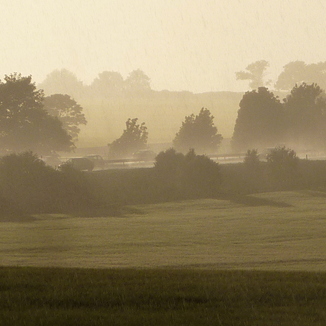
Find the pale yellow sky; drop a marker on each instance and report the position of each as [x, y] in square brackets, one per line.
[194, 45]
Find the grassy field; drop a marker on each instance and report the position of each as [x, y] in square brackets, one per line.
[49, 296]
[271, 231]
[243, 260]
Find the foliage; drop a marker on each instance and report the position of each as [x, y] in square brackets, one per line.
[283, 162]
[68, 111]
[198, 132]
[305, 112]
[62, 82]
[260, 121]
[107, 83]
[297, 72]
[254, 73]
[187, 175]
[133, 139]
[27, 183]
[24, 124]
[137, 81]
[251, 159]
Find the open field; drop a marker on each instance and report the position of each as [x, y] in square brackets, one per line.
[49, 296]
[271, 231]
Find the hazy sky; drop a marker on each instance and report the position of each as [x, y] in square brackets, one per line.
[194, 45]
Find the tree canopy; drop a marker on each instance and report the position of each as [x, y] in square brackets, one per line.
[24, 124]
[107, 83]
[137, 81]
[259, 121]
[305, 113]
[133, 139]
[254, 73]
[68, 111]
[199, 133]
[297, 72]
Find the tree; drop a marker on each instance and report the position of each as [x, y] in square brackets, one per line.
[305, 112]
[62, 82]
[24, 124]
[255, 73]
[251, 159]
[68, 111]
[198, 132]
[297, 72]
[260, 121]
[282, 162]
[137, 81]
[107, 83]
[133, 138]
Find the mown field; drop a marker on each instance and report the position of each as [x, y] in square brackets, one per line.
[271, 231]
[240, 260]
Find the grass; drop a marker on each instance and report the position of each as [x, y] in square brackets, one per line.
[53, 296]
[271, 231]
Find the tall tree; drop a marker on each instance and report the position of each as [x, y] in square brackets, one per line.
[133, 139]
[297, 72]
[69, 112]
[199, 133]
[107, 83]
[137, 81]
[305, 110]
[260, 121]
[24, 124]
[255, 74]
[62, 82]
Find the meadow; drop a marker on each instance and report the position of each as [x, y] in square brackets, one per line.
[268, 231]
[241, 260]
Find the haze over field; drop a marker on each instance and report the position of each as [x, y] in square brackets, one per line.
[194, 46]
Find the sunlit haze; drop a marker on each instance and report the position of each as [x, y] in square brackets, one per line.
[195, 45]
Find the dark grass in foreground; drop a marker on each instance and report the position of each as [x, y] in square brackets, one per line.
[53, 296]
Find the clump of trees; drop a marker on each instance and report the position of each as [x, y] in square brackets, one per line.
[133, 139]
[24, 123]
[186, 175]
[198, 132]
[263, 121]
[31, 186]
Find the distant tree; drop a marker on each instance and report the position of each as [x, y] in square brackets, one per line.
[255, 74]
[198, 132]
[251, 159]
[134, 138]
[68, 111]
[305, 111]
[282, 162]
[187, 175]
[107, 83]
[260, 121]
[137, 81]
[24, 124]
[297, 72]
[62, 82]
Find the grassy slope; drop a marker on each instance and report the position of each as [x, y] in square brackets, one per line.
[273, 231]
[31, 296]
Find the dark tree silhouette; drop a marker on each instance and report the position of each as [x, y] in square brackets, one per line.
[68, 111]
[297, 72]
[251, 159]
[198, 132]
[133, 139]
[305, 112]
[24, 124]
[255, 74]
[260, 121]
[282, 162]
